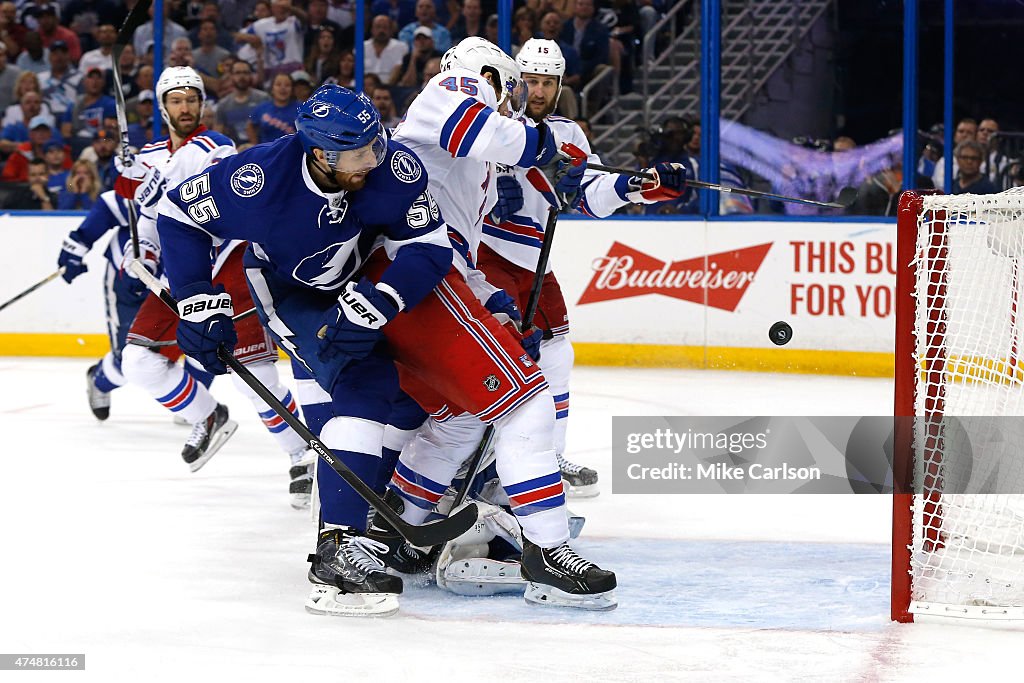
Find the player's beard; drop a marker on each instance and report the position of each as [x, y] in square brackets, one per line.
[539, 113]
[183, 130]
[330, 180]
[351, 182]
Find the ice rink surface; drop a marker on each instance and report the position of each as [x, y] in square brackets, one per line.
[113, 549]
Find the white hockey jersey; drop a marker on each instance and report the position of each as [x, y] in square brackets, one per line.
[455, 130]
[199, 151]
[518, 237]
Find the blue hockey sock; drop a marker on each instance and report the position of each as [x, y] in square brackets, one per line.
[339, 503]
[99, 378]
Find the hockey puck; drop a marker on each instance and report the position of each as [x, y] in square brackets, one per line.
[780, 333]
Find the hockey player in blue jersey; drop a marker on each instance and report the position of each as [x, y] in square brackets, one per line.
[122, 295]
[351, 268]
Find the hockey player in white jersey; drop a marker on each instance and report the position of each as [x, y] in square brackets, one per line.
[460, 128]
[161, 165]
[512, 232]
[122, 295]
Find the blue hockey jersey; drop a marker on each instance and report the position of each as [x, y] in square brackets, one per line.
[266, 195]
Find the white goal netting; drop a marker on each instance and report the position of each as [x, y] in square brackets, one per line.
[967, 556]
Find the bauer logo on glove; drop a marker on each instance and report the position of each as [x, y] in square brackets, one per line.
[207, 306]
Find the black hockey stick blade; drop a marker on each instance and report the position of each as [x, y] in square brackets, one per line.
[52, 276]
[136, 18]
[433, 533]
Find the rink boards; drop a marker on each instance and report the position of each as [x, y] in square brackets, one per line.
[677, 293]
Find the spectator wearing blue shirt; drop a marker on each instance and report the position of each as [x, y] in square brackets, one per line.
[57, 164]
[276, 117]
[588, 37]
[426, 15]
[970, 180]
[32, 111]
[91, 111]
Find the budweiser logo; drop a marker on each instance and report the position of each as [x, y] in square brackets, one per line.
[719, 280]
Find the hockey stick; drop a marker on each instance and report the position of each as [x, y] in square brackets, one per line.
[847, 195]
[52, 276]
[532, 304]
[173, 342]
[137, 17]
[433, 533]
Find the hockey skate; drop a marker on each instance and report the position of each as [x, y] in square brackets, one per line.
[207, 437]
[300, 488]
[560, 578]
[99, 401]
[348, 577]
[400, 554]
[580, 481]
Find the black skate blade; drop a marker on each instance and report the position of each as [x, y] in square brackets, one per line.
[441, 531]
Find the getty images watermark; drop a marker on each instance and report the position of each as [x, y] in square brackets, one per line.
[815, 454]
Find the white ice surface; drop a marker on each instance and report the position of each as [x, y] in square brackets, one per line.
[111, 548]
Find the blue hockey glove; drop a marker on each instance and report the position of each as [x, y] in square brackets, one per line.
[206, 324]
[510, 198]
[353, 327]
[70, 259]
[569, 176]
[503, 307]
[547, 147]
[531, 339]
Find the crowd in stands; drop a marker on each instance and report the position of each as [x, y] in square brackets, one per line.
[258, 59]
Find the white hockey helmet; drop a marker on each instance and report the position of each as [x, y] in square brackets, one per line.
[173, 78]
[544, 57]
[479, 56]
[541, 56]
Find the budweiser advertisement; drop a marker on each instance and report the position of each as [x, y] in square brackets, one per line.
[716, 280]
[721, 283]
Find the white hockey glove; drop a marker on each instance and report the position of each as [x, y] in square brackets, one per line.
[139, 181]
[149, 257]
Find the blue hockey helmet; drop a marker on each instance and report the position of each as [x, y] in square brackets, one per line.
[337, 120]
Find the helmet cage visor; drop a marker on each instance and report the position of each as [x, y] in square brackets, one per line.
[360, 159]
[516, 94]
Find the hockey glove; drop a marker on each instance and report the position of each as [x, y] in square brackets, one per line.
[669, 183]
[510, 199]
[503, 307]
[71, 254]
[569, 176]
[149, 257]
[531, 339]
[206, 324]
[353, 327]
[547, 147]
[139, 181]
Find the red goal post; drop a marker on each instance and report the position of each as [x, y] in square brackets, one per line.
[958, 544]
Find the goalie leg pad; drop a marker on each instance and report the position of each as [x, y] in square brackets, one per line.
[481, 576]
[332, 601]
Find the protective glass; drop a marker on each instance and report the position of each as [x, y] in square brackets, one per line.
[365, 158]
[516, 97]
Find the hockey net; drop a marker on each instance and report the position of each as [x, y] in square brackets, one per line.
[958, 525]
